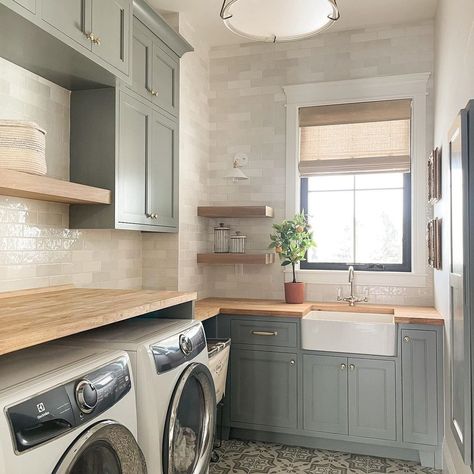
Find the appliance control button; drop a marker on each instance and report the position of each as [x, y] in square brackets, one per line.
[86, 396]
[185, 344]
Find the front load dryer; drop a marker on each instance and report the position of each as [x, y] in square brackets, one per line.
[68, 410]
[175, 391]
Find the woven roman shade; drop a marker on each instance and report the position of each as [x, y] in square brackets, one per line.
[368, 137]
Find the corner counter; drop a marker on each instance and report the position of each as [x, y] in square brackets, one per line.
[209, 307]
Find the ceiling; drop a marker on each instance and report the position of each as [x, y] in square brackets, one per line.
[203, 15]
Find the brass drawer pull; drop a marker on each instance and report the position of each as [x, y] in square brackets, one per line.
[265, 333]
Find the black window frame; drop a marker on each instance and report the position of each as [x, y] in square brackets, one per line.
[405, 266]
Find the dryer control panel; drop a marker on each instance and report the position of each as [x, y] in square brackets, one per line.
[55, 412]
[178, 349]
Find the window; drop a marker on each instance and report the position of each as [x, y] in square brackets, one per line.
[356, 185]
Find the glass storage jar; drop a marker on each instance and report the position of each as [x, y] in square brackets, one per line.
[221, 239]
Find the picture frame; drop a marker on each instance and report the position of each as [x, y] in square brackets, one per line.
[434, 176]
[433, 237]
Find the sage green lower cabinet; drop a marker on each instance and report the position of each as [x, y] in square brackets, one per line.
[264, 388]
[372, 405]
[384, 406]
[325, 394]
[420, 394]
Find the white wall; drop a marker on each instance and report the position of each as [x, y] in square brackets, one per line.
[454, 86]
[36, 247]
[248, 115]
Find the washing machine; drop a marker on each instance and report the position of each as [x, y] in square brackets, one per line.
[68, 410]
[175, 391]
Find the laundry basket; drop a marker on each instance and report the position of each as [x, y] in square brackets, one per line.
[22, 146]
[218, 351]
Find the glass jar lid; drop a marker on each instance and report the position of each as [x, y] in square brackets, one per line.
[238, 235]
[221, 227]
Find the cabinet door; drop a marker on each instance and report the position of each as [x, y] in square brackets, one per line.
[162, 172]
[111, 28]
[263, 388]
[142, 58]
[372, 407]
[325, 394]
[71, 17]
[28, 4]
[165, 79]
[134, 147]
[419, 387]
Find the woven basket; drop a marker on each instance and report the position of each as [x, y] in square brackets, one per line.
[22, 146]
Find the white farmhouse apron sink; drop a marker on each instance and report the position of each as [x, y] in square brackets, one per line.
[352, 332]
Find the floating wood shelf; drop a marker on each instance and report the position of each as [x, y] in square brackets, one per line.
[237, 258]
[235, 211]
[44, 188]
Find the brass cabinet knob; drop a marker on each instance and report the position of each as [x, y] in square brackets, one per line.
[153, 92]
[96, 41]
[343, 366]
[91, 36]
[352, 367]
[406, 339]
[292, 362]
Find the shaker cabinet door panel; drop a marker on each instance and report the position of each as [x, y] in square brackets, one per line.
[419, 387]
[71, 17]
[263, 388]
[142, 58]
[165, 80]
[325, 394]
[134, 147]
[111, 28]
[372, 406]
[162, 172]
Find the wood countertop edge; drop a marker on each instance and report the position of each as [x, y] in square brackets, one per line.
[33, 332]
[209, 308]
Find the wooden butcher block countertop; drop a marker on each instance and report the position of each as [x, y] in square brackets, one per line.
[33, 317]
[210, 307]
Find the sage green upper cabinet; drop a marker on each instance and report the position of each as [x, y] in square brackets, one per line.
[71, 17]
[372, 408]
[165, 79]
[420, 396]
[134, 152]
[162, 172]
[111, 32]
[101, 26]
[141, 59]
[155, 69]
[30, 5]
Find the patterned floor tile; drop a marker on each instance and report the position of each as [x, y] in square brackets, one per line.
[249, 457]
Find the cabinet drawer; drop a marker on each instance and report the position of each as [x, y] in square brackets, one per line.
[265, 333]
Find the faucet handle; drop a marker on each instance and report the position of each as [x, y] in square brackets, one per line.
[339, 294]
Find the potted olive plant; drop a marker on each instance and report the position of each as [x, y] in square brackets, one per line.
[291, 240]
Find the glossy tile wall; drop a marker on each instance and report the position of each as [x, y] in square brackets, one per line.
[36, 247]
[247, 107]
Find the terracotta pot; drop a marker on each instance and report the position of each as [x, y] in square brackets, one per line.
[294, 293]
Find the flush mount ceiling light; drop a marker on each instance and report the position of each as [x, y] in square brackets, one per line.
[278, 20]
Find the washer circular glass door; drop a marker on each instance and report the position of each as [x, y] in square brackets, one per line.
[105, 448]
[189, 428]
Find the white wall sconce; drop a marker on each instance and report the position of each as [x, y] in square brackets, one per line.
[235, 173]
